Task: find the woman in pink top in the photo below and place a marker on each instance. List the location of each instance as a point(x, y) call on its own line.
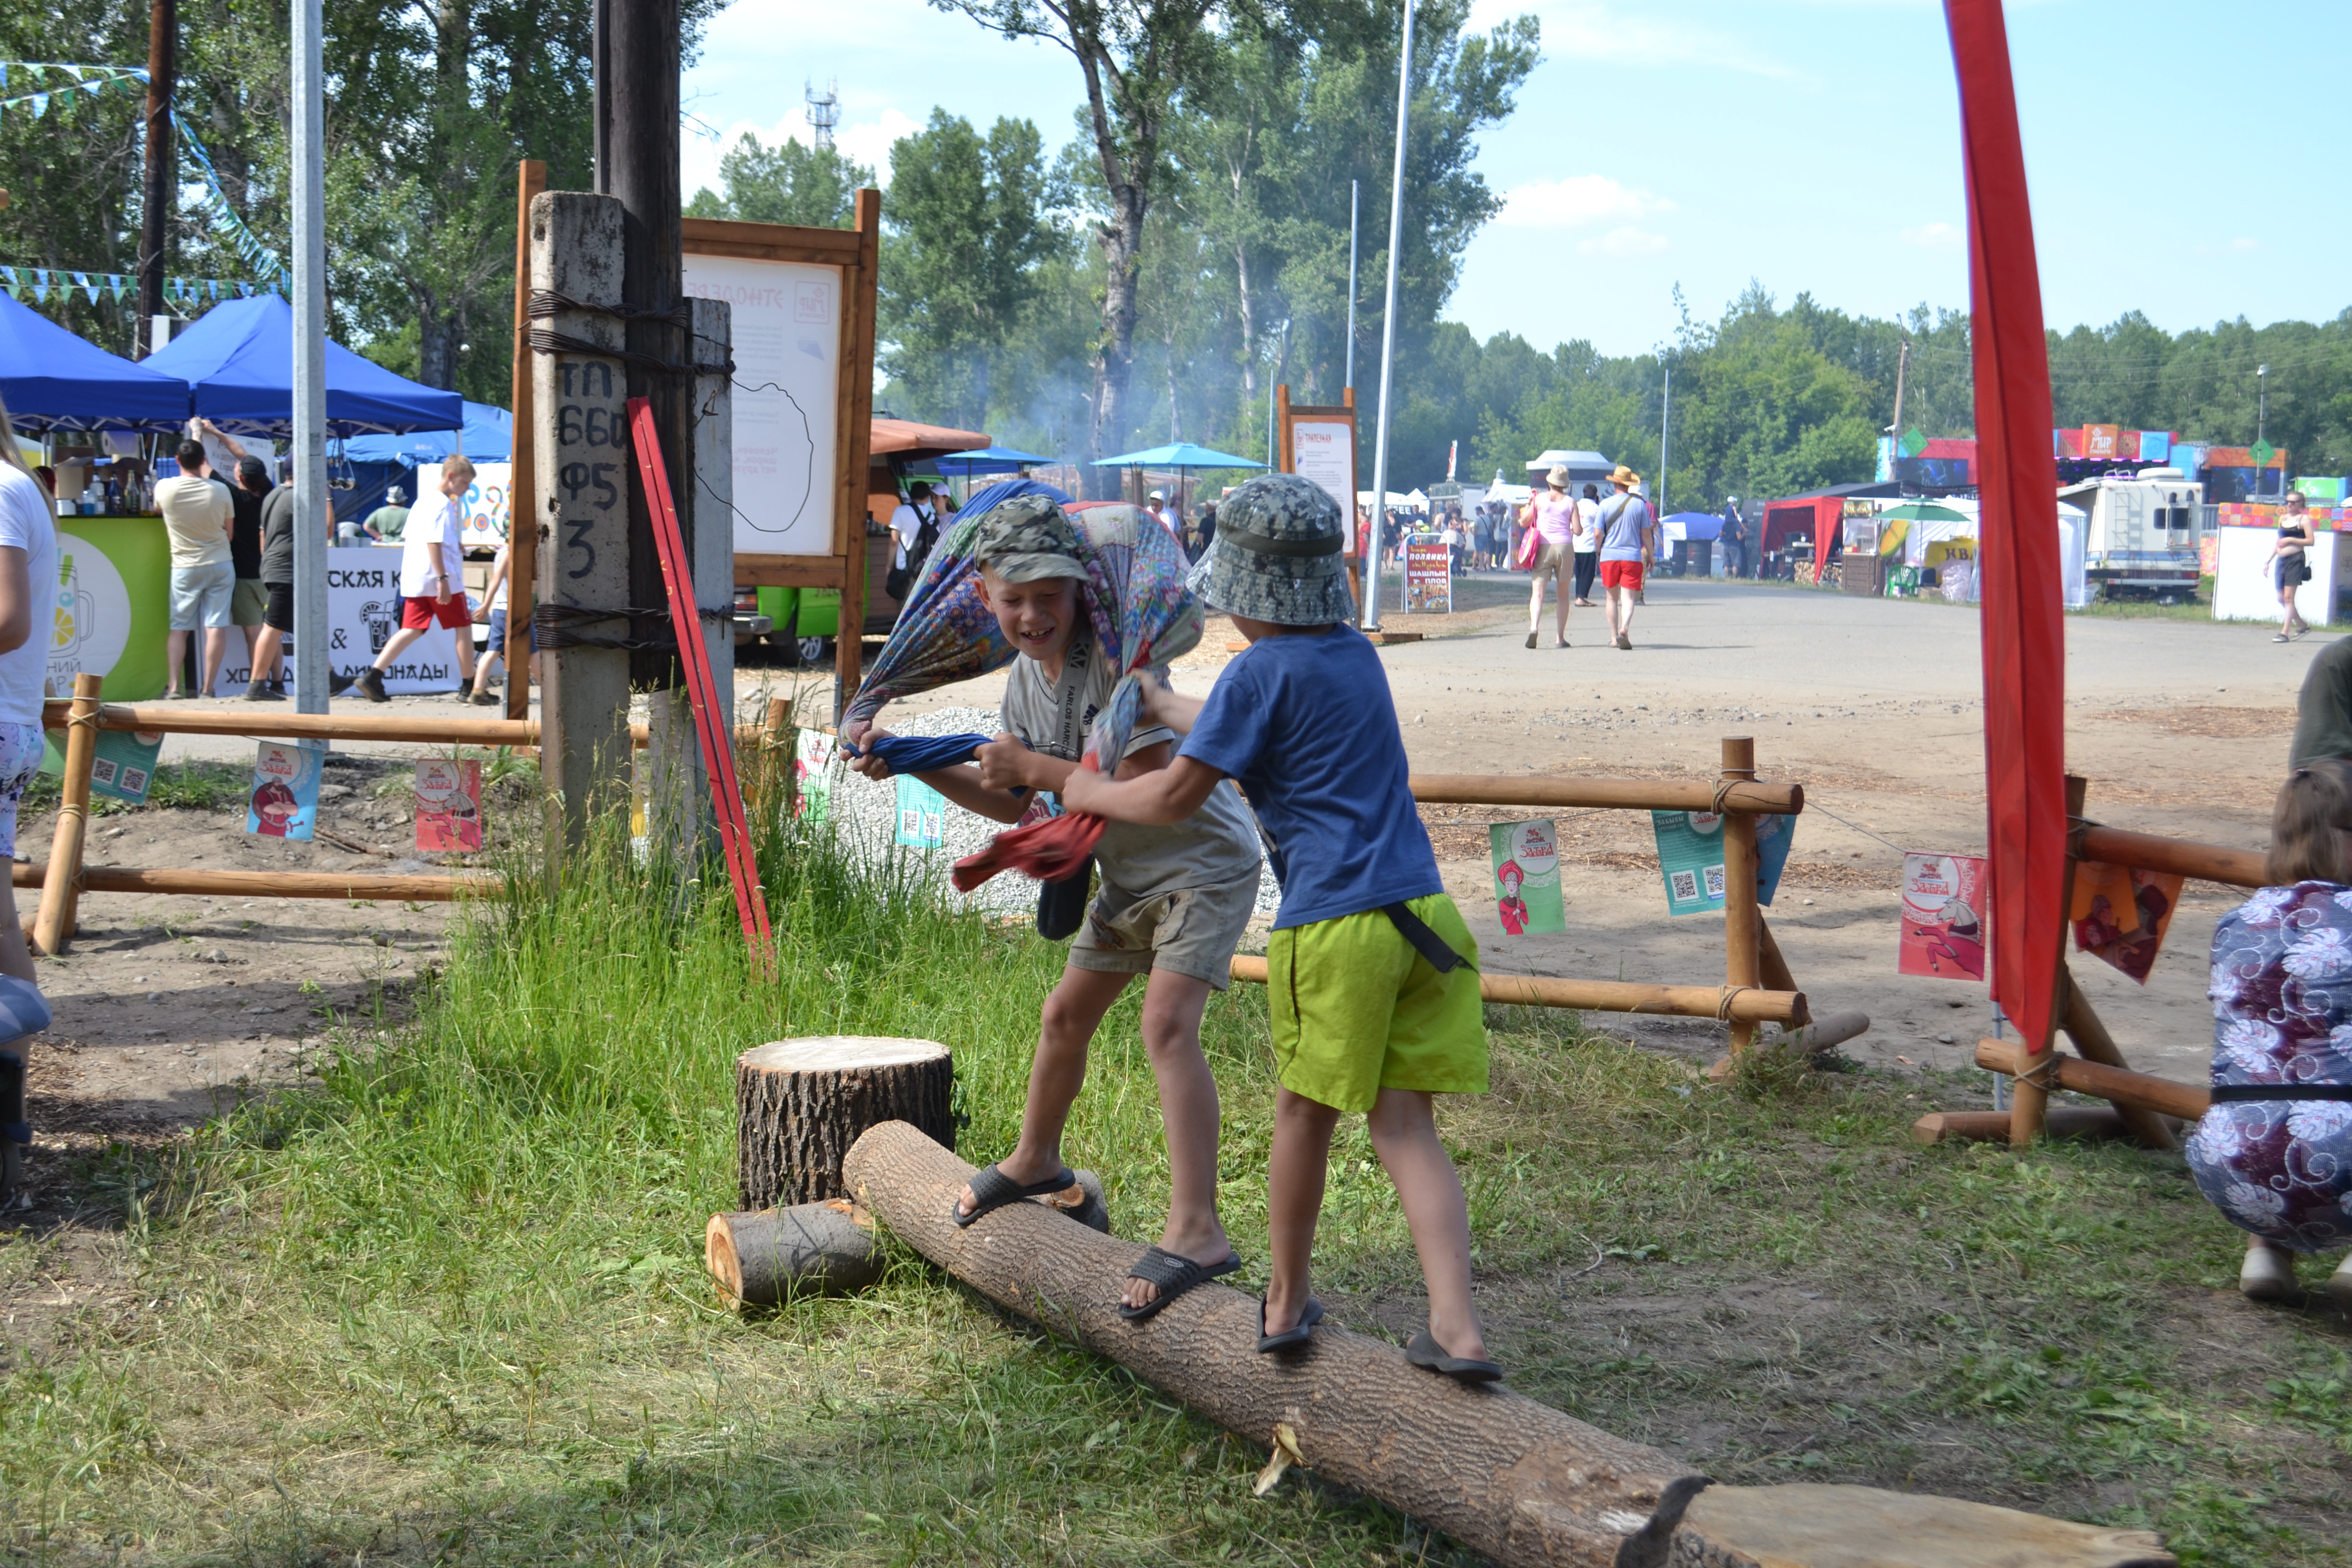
point(1553, 515)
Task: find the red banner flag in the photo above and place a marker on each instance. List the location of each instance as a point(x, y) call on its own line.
point(2024, 635)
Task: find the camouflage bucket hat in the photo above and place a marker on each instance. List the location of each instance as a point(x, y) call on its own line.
point(1277, 555)
point(1028, 539)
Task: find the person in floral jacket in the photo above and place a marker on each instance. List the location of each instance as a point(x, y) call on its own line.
point(2275, 1153)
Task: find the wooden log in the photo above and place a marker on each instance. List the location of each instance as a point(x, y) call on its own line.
point(1609, 995)
point(1742, 920)
point(1774, 967)
point(53, 927)
point(1510, 1477)
point(1993, 1126)
point(1626, 794)
point(2096, 1045)
point(307, 726)
point(1821, 1034)
point(801, 1103)
point(2179, 856)
point(2029, 1101)
point(2143, 1091)
point(266, 884)
point(522, 533)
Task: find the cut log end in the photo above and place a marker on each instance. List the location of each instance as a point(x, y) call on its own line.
point(764, 1259)
point(801, 1103)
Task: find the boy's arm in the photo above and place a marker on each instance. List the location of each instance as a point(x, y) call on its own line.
point(963, 786)
point(1158, 798)
point(1162, 704)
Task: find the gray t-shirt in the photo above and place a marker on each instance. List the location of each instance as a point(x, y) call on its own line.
point(1625, 517)
point(1217, 843)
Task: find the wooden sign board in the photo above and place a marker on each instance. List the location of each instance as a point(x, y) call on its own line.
point(803, 325)
point(1319, 444)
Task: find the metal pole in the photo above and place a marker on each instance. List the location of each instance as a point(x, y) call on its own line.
point(1388, 334)
point(310, 650)
point(156, 198)
point(1355, 190)
point(1665, 428)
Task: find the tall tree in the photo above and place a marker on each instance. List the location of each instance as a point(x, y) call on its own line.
point(809, 187)
point(970, 225)
point(1136, 57)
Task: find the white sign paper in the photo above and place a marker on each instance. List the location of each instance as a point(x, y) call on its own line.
point(363, 611)
point(1324, 450)
point(787, 329)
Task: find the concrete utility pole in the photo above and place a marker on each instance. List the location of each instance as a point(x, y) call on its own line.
point(678, 782)
point(310, 502)
point(156, 189)
point(1371, 605)
point(1355, 191)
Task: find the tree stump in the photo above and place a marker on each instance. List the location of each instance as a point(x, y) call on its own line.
point(764, 1259)
point(800, 1104)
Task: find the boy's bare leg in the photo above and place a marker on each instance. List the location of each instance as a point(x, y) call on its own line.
point(15, 957)
point(1294, 1198)
point(1068, 1023)
point(1404, 1135)
point(1172, 1006)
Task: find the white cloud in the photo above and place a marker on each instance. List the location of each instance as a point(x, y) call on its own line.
point(1624, 241)
point(2244, 244)
point(1932, 236)
point(866, 142)
point(1576, 201)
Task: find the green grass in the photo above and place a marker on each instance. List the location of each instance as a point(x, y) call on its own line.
point(189, 786)
point(449, 1306)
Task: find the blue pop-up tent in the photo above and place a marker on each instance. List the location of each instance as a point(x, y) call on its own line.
point(1177, 455)
point(487, 436)
point(988, 460)
point(238, 359)
point(52, 379)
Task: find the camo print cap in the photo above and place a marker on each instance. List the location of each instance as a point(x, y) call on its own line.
point(1028, 539)
point(1278, 554)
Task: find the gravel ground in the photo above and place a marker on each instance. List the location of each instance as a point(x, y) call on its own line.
point(866, 813)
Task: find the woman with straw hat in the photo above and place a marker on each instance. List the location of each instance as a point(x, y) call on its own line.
point(1553, 516)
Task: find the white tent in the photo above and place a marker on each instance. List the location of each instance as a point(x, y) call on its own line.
point(1364, 498)
point(2074, 530)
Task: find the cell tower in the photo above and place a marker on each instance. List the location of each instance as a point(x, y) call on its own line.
point(823, 110)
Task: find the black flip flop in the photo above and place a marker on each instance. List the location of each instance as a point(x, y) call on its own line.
point(1174, 1274)
point(1291, 1338)
point(992, 1189)
point(1425, 1353)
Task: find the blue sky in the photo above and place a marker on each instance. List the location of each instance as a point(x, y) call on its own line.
point(1809, 144)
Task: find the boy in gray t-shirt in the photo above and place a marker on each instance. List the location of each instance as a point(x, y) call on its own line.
point(1174, 903)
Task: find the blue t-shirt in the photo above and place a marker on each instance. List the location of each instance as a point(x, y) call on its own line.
point(1623, 518)
point(1305, 724)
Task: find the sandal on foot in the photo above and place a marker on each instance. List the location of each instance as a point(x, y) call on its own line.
point(1531, 639)
point(992, 1189)
point(1174, 1274)
point(2282, 637)
point(1291, 1338)
point(1425, 1353)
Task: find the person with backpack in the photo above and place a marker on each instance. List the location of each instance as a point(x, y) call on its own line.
point(1625, 523)
point(916, 528)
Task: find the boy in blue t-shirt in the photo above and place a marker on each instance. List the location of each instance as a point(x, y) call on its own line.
point(1371, 972)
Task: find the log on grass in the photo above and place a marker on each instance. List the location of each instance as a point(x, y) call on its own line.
point(1821, 1035)
point(267, 884)
point(1516, 1480)
point(1786, 1007)
point(801, 1103)
point(2087, 1121)
point(2142, 1092)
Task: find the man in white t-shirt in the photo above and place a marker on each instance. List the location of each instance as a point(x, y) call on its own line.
point(198, 519)
point(432, 581)
point(907, 526)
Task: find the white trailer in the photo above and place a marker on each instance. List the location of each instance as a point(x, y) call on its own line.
point(2143, 536)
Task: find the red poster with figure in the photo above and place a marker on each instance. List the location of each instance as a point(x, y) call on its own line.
point(449, 805)
point(1943, 916)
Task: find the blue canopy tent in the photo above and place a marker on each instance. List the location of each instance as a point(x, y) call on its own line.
point(1177, 455)
point(987, 460)
point(52, 379)
point(1692, 525)
point(238, 359)
point(487, 436)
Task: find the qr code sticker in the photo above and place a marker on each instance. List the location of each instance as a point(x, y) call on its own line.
point(931, 826)
point(1715, 881)
point(136, 780)
point(102, 770)
point(1684, 884)
point(910, 823)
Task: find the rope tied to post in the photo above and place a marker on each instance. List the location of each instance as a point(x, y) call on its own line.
point(547, 340)
point(555, 625)
point(1722, 791)
point(1726, 996)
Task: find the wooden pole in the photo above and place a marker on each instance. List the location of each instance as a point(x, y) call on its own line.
point(159, 187)
point(522, 514)
point(2141, 1090)
point(306, 726)
point(1993, 1126)
point(1624, 794)
point(857, 451)
point(53, 927)
point(1517, 1480)
point(2148, 852)
point(263, 884)
point(1775, 967)
point(1751, 1006)
point(2096, 1045)
point(2029, 1100)
point(800, 1104)
point(1742, 920)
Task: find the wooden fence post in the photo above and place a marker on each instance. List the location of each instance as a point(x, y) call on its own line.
point(522, 490)
point(54, 926)
point(2029, 1103)
point(1742, 920)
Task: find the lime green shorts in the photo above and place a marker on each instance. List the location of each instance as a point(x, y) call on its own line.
point(1357, 1010)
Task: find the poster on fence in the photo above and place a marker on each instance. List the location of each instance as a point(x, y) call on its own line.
point(1428, 577)
point(922, 815)
point(816, 756)
point(449, 805)
point(122, 766)
point(362, 612)
point(1944, 905)
point(1525, 857)
point(285, 803)
point(2121, 914)
point(1690, 857)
